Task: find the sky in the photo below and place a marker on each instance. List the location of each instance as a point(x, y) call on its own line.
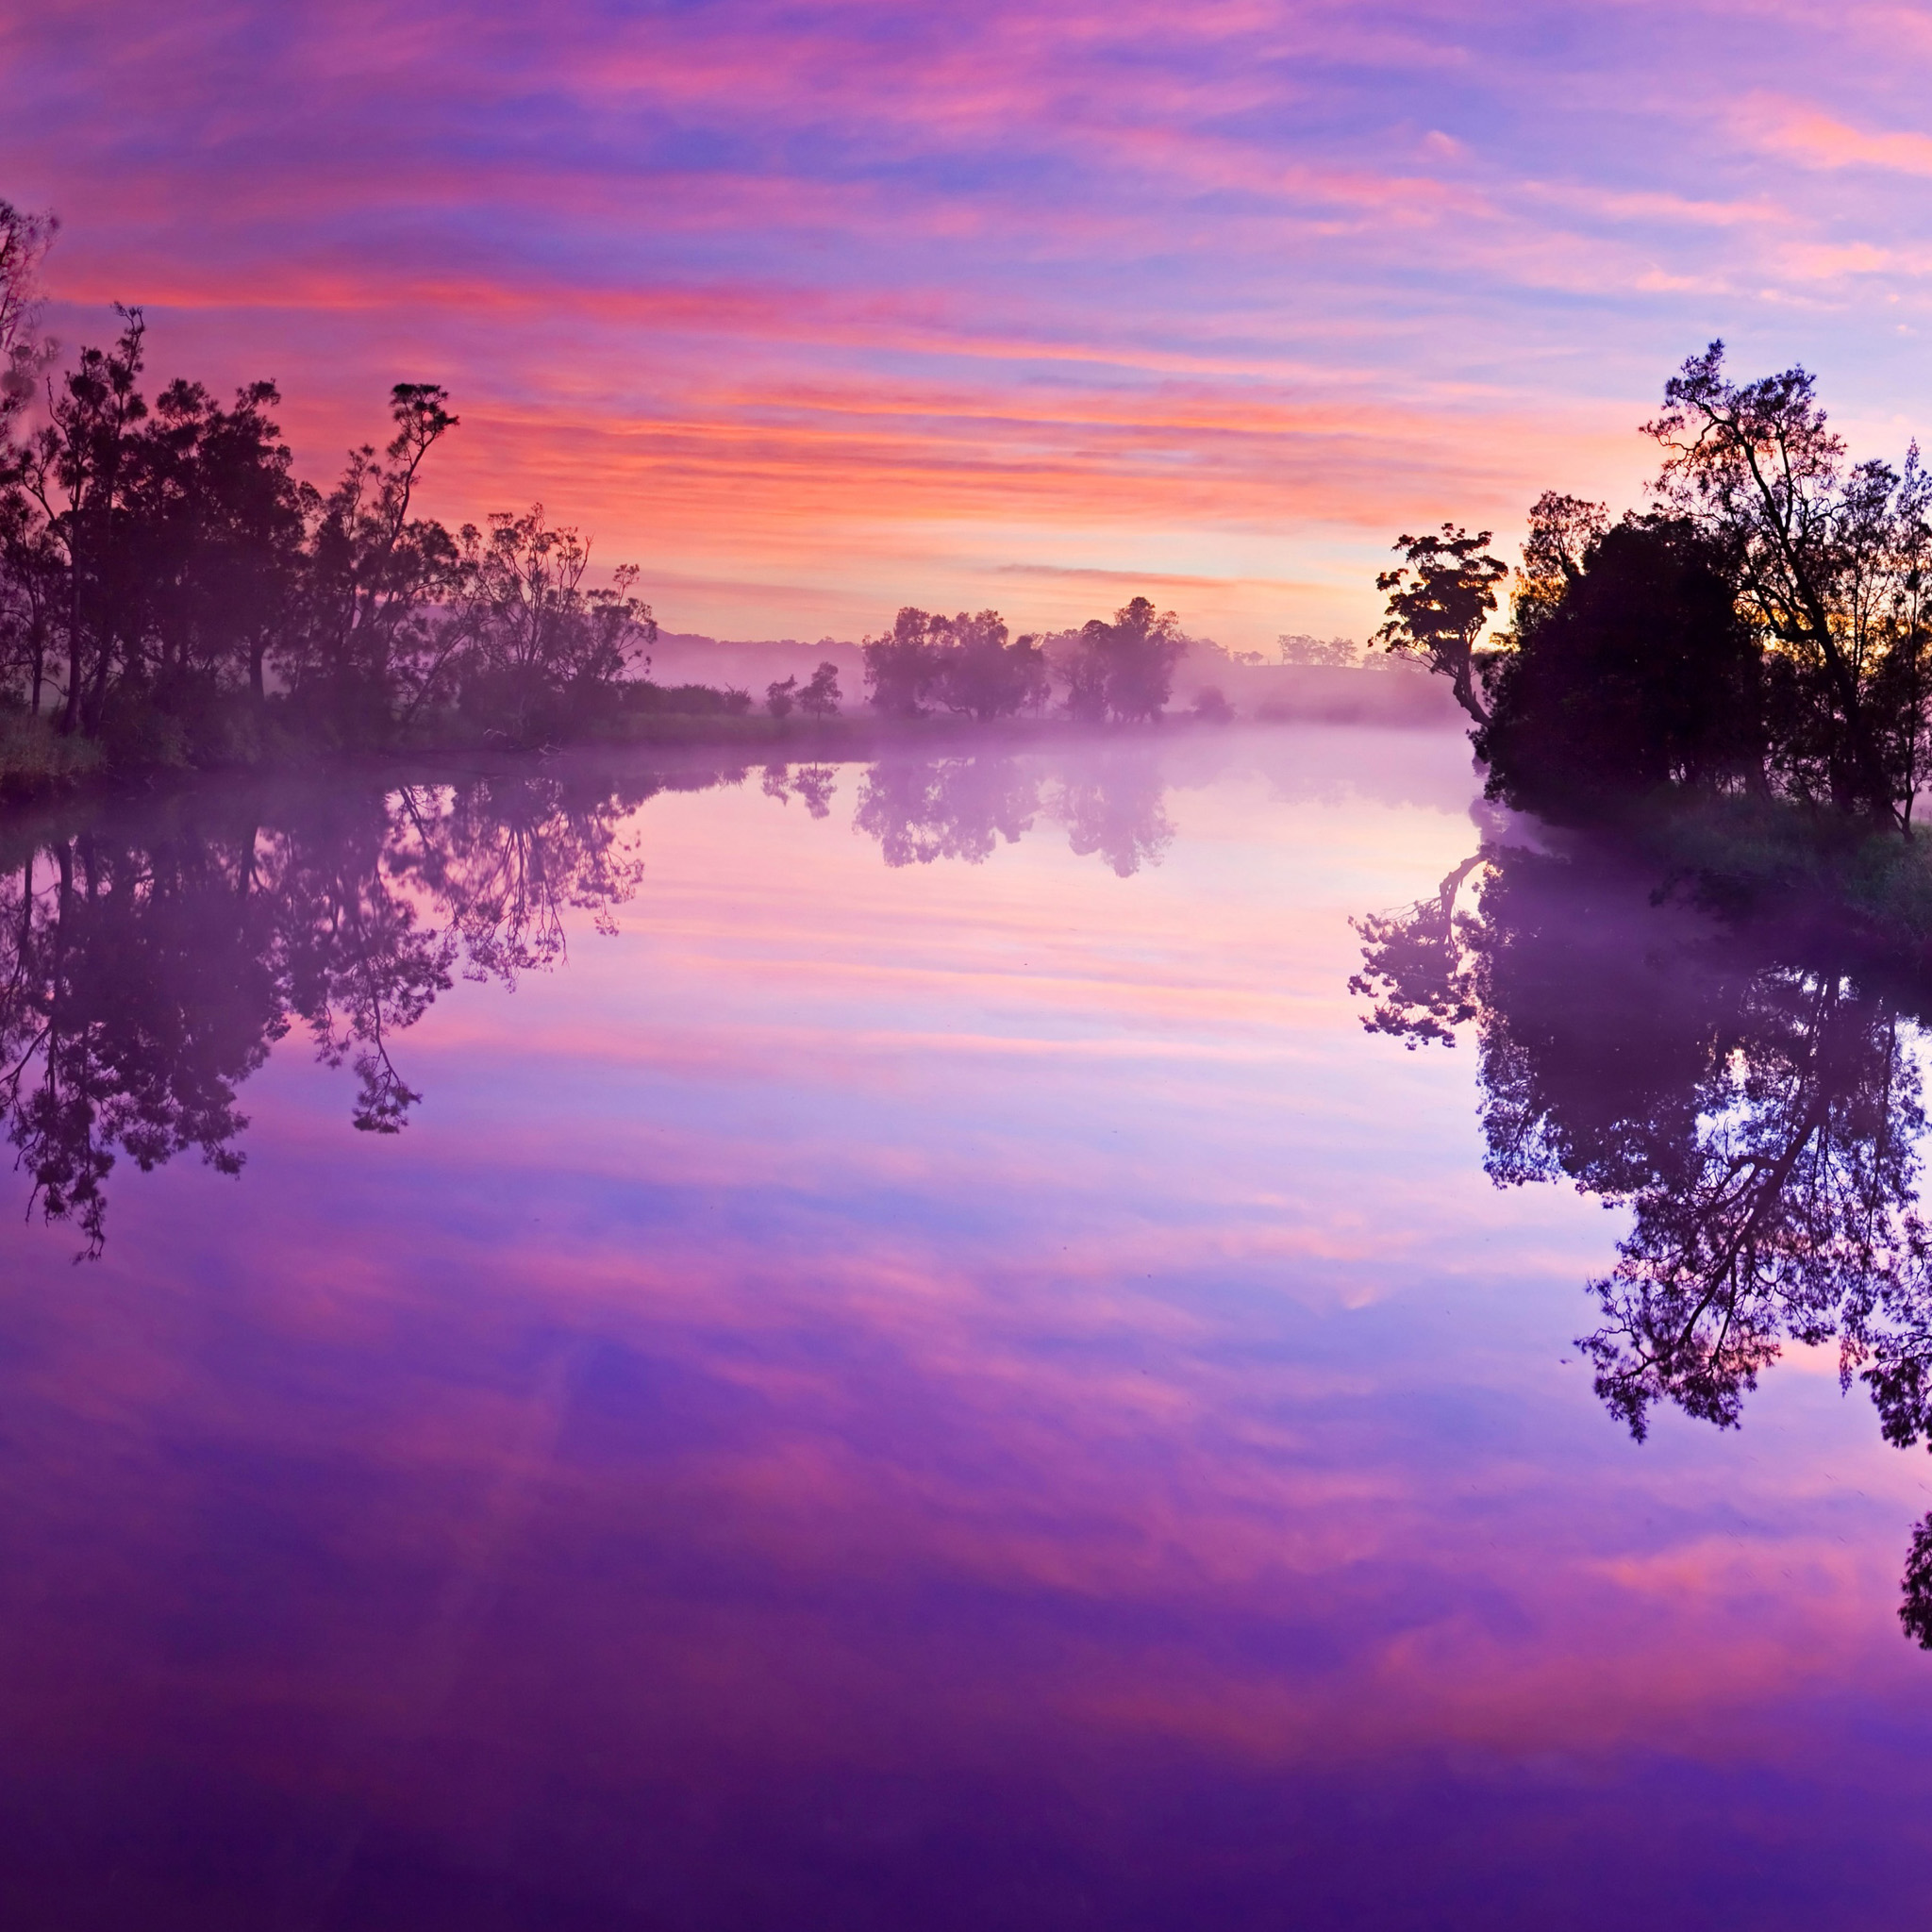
point(815, 309)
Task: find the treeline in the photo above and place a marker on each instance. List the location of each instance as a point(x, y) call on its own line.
point(153, 953)
point(171, 593)
point(1761, 628)
point(1118, 672)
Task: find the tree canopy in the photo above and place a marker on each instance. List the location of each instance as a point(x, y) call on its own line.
point(1760, 625)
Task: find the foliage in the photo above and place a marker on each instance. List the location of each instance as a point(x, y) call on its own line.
point(171, 593)
point(1763, 626)
point(532, 648)
point(1751, 1096)
point(820, 694)
point(1632, 670)
point(964, 663)
point(1122, 670)
point(1440, 599)
point(23, 242)
point(1298, 647)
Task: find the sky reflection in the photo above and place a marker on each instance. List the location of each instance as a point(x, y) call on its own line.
point(948, 1393)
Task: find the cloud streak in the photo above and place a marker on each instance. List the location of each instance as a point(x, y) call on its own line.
point(1263, 279)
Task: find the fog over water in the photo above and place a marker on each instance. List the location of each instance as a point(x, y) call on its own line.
point(879, 1345)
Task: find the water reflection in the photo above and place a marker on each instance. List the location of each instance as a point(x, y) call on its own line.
point(1756, 1105)
point(149, 962)
point(1111, 802)
point(148, 967)
point(954, 1397)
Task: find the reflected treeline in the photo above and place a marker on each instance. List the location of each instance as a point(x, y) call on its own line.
point(1757, 1109)
point(1111, 803)
point(147, 967)
point(147, 970)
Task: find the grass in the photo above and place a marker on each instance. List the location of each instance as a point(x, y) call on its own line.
point(1800, 868)
point(36, 760)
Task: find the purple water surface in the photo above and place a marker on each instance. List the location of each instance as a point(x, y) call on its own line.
point(959, 1393)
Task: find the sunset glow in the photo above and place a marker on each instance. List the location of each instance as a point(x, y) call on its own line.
point(816, 310)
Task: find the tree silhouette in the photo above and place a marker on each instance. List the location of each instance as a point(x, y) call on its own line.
point(1439, 600)
point(146, 971)
point(1752, 1099)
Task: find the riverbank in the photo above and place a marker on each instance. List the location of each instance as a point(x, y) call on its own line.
point(149, 751)
point(1795, 874)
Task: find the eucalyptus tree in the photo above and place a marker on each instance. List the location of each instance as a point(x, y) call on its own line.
point(1439, 600)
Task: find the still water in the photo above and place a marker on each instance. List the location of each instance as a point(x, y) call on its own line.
point(881, 1347)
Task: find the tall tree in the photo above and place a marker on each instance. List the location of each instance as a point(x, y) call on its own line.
point(1822, 549)
point(1439, 600)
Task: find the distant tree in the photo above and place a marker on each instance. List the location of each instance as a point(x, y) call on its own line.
point(779, 696)
point(1299, 648)
point(899, 665)
point(1085, 666)
point(1439, 601)
point(819, 695)
point(976, 672)
point(1125, 670)
point(1211, 706)
point(25, 240)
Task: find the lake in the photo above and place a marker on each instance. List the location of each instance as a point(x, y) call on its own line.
point(643, 1345)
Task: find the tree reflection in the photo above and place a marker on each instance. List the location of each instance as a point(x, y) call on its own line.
point(1757, 1107)
point(1111, 804)
point(145, 973)
point(951, 807)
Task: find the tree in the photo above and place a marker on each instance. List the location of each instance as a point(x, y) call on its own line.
point(1562, 529)
point(1632, 670)
point(779, 696)
point(218, 521)
point(75, 472)
point(977, 673)
point(536, 645)
point(369, 646)
point(1125, 670)
point(1823, 552)
point(163, 571)
point(30, 597)
point(25, 240)
point(900, 664)
point(1299, 647)
point(819, 695)
point(1439, 600)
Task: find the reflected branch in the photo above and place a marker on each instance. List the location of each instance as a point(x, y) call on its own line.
point(1754, 1106)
